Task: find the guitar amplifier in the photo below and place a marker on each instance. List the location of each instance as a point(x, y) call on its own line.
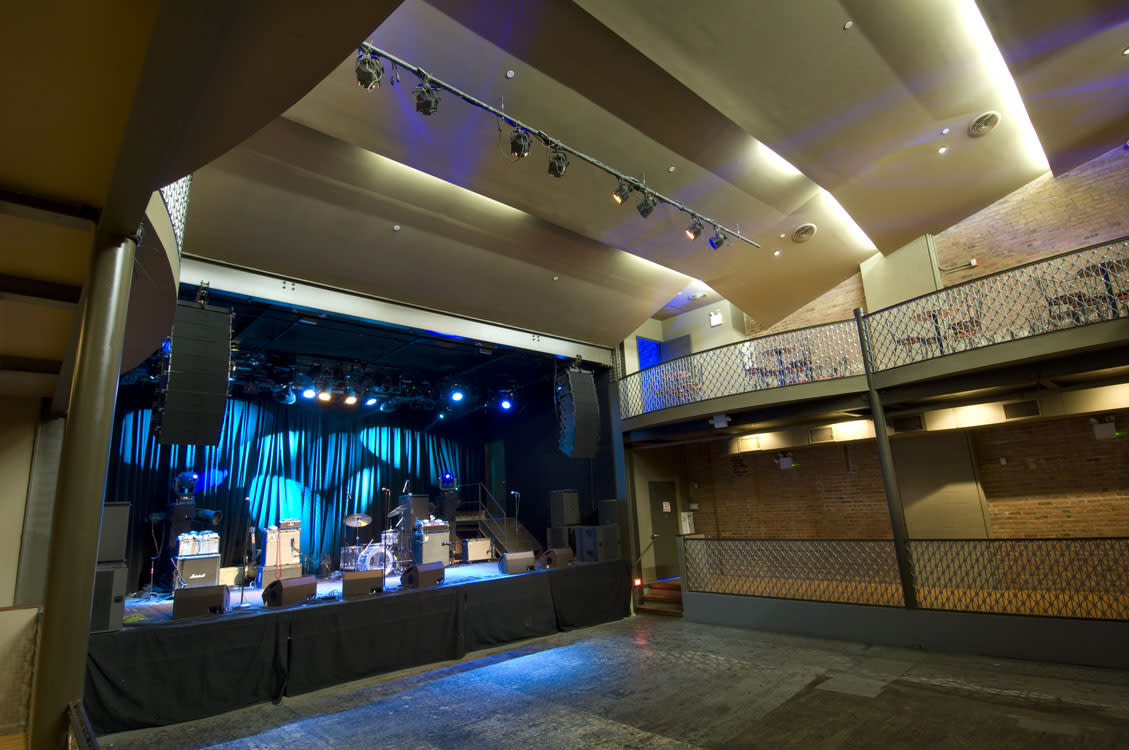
point(283, 546)
point(517, 562)
point(198, 570)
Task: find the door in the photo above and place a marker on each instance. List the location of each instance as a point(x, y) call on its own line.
point(664, 523)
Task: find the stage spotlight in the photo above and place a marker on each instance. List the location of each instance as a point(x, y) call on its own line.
point(519, 144)
point(350, 395)
point(621, 192)
point(694, 229)
point(647, 205)
point(558, 163)
point(427, 101)
point(506, 403)
point(718, 238)
point(369, 71)
point(370, 397)
point(309, 392)
point(457, 395)
point(286, 395)
point(325, 390)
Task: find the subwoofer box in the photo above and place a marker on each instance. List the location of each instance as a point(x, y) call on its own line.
point(517, 562)
point(554, 558)
point(200, 601)
point(421, 576)
point(287, 591)
point(356, 583)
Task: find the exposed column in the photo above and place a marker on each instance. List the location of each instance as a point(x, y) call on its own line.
point(886, 464)
point(80, 491)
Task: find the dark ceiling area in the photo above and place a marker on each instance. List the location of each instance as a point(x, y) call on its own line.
point(276, 349)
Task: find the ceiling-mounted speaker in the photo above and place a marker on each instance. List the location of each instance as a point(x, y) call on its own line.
point(983, 124)
point(191, 409)
point(804, 232)
point(578, 412)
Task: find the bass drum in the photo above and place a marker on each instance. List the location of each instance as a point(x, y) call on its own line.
point(374, 558)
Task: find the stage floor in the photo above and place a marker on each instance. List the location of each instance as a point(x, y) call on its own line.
point(141, 610)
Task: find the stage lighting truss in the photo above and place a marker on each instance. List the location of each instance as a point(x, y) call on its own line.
point(369, 70)
point(427, 103)
point(520, 143)
point(694, 229)
point(558, 162)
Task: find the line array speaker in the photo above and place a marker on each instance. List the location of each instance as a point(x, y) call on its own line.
point(356, 583)
point(421, 576)
point(287, 591)
point(197, 602)
point(578, 411)
point(195, 396)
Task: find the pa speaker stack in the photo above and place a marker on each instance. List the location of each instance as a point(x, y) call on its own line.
point(195, 396)
point(554, 558)
point(579, 414)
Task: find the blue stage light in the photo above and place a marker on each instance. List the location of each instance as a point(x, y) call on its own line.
point(506, 404)
point(370, 401)
point(456, 395)
point(309, 392)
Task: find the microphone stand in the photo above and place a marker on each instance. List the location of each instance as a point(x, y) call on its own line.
point(250, 534)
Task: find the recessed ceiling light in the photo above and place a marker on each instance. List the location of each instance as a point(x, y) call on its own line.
point(783, 235)
point(556, 278)
point(946, 131)
point(848, 25)
point(510, 74)
point(776, 252)
point(942, 150)
point(1125, 51)
point(395, 227)
point(670, 168)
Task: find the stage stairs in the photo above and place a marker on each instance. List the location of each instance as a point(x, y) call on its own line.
point(662, 598)
point(481, 514)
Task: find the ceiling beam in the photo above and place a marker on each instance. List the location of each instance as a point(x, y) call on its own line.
point(36, 292)
point(48, 211)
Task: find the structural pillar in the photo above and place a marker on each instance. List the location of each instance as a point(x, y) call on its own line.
point(889, 477)
point(79, 493)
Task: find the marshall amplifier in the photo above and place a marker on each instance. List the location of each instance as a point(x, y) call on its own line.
point(198, 570)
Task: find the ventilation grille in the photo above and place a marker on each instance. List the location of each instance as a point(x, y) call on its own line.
point(820, 435)
point(1021, 409)
point(983, 124)
point(908, 423)
point(804, 232)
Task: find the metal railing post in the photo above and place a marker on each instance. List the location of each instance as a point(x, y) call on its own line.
point(889, 477)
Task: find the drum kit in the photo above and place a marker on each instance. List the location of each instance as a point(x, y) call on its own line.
point(383, 554)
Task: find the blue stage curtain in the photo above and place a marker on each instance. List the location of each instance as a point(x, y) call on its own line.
point(291, 462)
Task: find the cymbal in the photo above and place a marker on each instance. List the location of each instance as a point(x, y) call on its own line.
point(358, 520)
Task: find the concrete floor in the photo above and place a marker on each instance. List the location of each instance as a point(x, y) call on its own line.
point(657, 682)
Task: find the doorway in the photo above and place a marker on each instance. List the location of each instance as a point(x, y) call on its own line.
point(664, 523)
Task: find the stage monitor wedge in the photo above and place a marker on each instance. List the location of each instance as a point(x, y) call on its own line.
point(422, 576)
point(578, 412)
point(287, 591)
point(195, 397)
point(198, 602)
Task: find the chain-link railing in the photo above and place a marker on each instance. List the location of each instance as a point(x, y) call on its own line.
point(1085, 578)
point(828, 570)
point(802, 356)
point(175, 197)
point(1076, 289)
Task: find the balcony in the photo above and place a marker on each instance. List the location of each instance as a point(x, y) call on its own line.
point(1073, 302)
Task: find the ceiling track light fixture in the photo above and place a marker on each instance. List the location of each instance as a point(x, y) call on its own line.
point(369, 70)
point(558, 162)
point(520, 143)
point(718, 239)
point(694, 229)
point(647, 205)
point(427, 102)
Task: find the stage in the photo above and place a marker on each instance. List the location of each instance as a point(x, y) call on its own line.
point(158, 671)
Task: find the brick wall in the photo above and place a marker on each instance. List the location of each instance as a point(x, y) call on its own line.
point(832, 492)
point(1048, 216)
point(1058, 479)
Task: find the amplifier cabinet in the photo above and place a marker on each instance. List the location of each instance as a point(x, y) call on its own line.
point(517, 562)
point(282, 547)
point(267, 576)
point(198, 570)
point(476, 549)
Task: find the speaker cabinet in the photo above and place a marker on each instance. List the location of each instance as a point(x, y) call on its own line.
point(195, 395)
point(597, 543)
point(197, 602)
point(557, 557)
point(564, 507)
point(115, 530)
point(422, 576)
point(107, 603)
point(199, 570)
point(287, 591)
point(268, 575)
point(356, 583)
point(517, 562)
point(579, 413)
